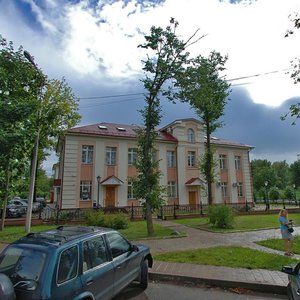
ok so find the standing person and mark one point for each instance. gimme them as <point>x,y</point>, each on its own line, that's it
<point>286,235</point>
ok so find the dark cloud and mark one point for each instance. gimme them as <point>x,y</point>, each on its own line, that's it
<point>260,125</point>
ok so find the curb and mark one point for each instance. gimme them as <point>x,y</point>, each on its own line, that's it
<point>258,287</point>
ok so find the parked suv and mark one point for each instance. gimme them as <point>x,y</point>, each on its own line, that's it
<point>72,263</point>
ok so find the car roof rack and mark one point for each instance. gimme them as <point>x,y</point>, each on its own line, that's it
<point>65,233</point>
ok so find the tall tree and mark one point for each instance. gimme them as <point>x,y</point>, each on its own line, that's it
<point>170,56</point>
<point>207,92</point>
<point>19,87</point>
<point>29,103</point>
<point>295,173</point>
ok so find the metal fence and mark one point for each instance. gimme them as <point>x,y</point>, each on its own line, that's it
<point>136,212</point>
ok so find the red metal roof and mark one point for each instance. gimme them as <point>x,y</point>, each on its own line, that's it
<point>116,130</point>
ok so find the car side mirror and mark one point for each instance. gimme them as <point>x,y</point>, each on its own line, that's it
<point>288,270</point>
<point>134,248</point>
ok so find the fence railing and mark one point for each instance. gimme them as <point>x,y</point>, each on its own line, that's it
<point>136,212</point>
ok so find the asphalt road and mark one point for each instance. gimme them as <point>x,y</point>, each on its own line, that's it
<point>161,291</point>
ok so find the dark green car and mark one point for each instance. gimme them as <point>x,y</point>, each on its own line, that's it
<point>72,263</point>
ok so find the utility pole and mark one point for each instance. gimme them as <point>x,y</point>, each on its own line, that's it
<point>33,159</point>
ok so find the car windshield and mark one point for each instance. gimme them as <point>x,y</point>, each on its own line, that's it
<point>22,264</point>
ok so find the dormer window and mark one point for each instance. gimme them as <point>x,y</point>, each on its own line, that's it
<point>191,135</point>
<point>121,129</point>
<point>102,127</point>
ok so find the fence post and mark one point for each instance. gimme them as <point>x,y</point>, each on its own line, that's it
<point>57,216</point>
<point>131,211</point>
<point>201,208</point>
<point>174,211</point>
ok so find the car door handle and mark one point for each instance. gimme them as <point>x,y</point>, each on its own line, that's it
<point>89,281</point>
<point>298,292</point>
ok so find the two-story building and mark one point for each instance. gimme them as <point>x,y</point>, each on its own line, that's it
<point>96,166</point>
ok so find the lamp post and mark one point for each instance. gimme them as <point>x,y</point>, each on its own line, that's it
<point>267,201</point>
<point>34,158</point>
<point>98,189</point>
<point>294,186</point>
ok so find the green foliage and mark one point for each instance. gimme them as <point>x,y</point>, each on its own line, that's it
<point>167,57</point>
<point>220,216</point>
<point>274,193</point>
<point>289,193</point>
<point>204,87</point>
<point>115,221</point>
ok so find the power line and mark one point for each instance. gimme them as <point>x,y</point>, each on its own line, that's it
<point>138,94</point>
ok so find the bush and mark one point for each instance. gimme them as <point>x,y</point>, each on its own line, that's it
<point>274,193</point>
<point>115,221</point>
<point>220,216</point>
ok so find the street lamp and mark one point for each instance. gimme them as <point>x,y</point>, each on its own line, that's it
<point>34,158</point>
<point>295,196</point>
<point>98,190</point>
<point>267,201</point>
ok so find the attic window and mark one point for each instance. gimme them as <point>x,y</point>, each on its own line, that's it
<point>121,128</point>
<point>102,127</point>
<point>214,138</point>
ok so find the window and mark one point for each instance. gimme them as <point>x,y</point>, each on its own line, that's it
<point>118,244</point>
<point>171,159</point>
<point>191,135</point>
<point>111,155</point>
<point>132,155</point>
<point>224,189</point>
<point>87,154</point>
<point>172,189</point>
<point>85,190</point>
<point>237,162</point>
<point>191,158</point>
<point>240,189</point>
<point>130,190</point>
<point>94,253</point>
<point>222,159</point>
<point>68,265</point>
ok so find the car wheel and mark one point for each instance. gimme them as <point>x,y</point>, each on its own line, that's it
<point>144,275</point>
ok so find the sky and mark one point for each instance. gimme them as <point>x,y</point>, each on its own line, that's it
<point>94,45</point>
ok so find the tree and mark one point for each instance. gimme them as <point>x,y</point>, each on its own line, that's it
<point>19,87</point>
<point>294,110</point>
<point>30,106</point>
<point>295,173</point>
<point>168,59</point>
<point>203,87</point>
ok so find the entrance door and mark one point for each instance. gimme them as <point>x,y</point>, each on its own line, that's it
<point>110,196</point>
<point>193,199</point>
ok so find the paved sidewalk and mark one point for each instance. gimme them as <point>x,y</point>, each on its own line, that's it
<point>258,280</point>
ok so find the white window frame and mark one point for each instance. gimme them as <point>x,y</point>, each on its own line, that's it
<point>191,135</point>
<point>130,190</point>
<point>172,189</point>
<point>191,158</point>
<point>85,188</point>
<point>171,159</point>
<point>111,156</point>
<point>224,189</point>
<point>132,156</point>
<point>237,162</point>
<point>222,160</point>
<point>87,153</point>
<point>240,189</point>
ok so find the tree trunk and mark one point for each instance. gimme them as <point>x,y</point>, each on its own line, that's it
<point>150,228</point>
<point>208,166</point>
<point>5,197</point>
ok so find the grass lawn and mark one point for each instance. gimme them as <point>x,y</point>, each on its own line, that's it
<point>278,244</point>
<point>241,223</point>
<point>235,257</point>
<point>136,230</point>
